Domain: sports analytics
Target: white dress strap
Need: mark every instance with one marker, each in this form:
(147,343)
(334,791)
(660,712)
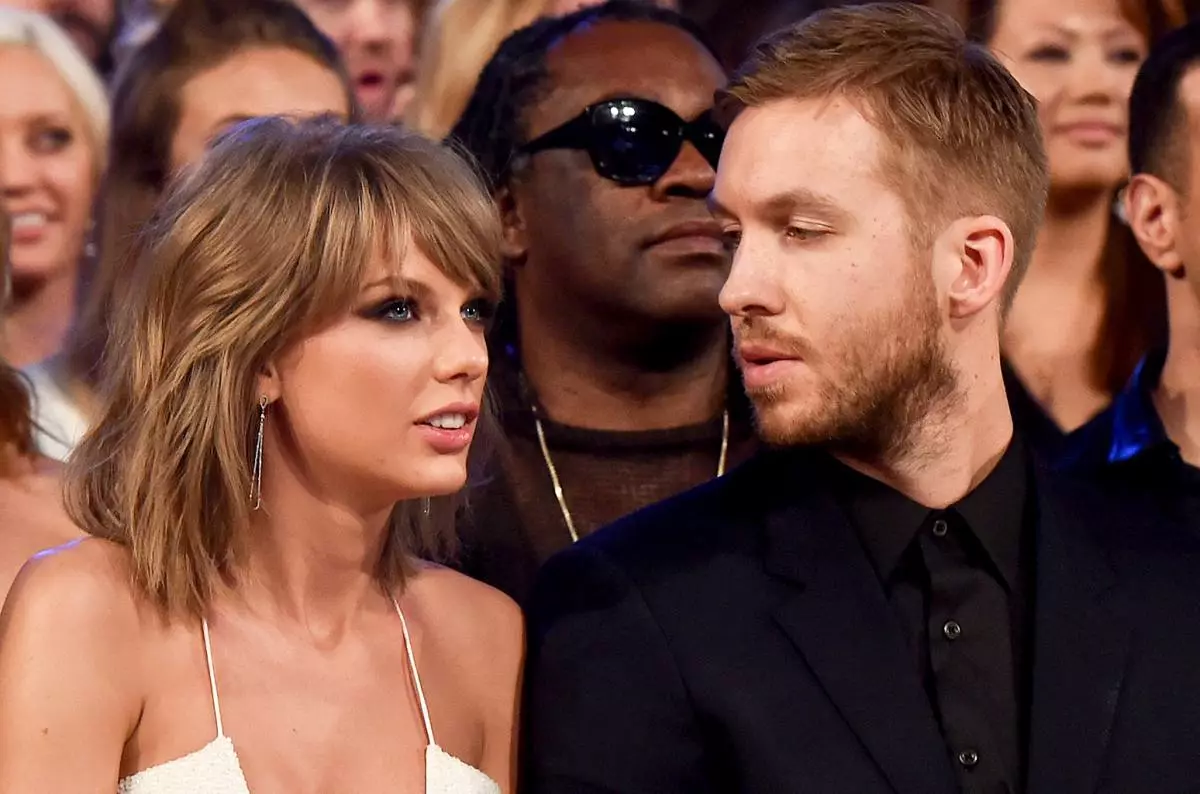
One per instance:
(416,677)
(212,677)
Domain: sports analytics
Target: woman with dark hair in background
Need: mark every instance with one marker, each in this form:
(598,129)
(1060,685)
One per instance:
(210,64)
(31,514)
(1090,306)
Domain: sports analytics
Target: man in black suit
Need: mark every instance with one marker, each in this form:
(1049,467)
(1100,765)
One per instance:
(897,597)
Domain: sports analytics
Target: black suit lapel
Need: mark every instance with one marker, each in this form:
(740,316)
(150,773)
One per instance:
(1081,641)
(839,619)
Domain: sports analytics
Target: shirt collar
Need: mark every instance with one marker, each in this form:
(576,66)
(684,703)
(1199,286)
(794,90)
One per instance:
(887,521)
(1137,428)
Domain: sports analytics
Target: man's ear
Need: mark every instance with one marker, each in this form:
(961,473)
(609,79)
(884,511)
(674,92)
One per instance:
(514,245)
(978,254)
(1152,209)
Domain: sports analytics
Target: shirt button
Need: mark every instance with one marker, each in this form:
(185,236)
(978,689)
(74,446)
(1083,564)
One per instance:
(940,528)
(951,630)
(968,758)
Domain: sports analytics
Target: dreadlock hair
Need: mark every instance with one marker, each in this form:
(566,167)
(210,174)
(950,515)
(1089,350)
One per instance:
(492,127)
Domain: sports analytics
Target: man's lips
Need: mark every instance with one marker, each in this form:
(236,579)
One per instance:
(761,355)
(764,365)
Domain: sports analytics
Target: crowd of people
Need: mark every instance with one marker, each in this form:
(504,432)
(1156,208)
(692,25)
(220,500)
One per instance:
(549,396)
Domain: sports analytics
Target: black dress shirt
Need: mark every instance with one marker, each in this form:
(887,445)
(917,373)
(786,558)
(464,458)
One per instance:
(1128,447)
(960,583)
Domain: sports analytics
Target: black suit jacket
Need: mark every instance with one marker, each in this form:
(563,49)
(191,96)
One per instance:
(736,639)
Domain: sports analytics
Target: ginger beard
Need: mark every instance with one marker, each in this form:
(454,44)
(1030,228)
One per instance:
(867,388)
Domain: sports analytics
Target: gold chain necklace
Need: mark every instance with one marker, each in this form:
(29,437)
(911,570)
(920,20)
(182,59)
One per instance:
(558,489)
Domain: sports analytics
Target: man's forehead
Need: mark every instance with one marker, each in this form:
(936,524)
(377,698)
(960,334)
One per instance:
(785,142)
(646,59)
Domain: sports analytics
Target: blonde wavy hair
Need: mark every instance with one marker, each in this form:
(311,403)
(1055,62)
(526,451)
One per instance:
(264,243)
(460,37)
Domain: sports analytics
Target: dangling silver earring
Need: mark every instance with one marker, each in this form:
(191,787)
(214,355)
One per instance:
(425,506)
(89,245)
(256,469)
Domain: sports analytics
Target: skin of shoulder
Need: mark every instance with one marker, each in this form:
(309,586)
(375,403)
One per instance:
(482,621)
(32,519)
(70,649)
(485,631)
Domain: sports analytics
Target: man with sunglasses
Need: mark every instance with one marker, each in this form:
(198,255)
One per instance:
(896,598)
(611,358)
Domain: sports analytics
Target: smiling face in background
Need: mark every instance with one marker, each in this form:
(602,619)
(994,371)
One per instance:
(47,166)
(383,403)
(1079,59)
(376,39)
(254,82)
(835,315)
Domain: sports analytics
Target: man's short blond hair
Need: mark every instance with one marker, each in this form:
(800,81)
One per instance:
(963,137)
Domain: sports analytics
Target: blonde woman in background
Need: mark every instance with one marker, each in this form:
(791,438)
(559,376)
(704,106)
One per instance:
(53,145)
(31,514)
(460,38)
(297,377)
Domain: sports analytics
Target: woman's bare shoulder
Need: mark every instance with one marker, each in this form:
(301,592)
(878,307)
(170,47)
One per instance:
(32,519)
(82,584)
(72,666)
(475,617)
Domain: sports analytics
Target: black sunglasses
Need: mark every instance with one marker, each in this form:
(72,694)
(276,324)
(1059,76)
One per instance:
(632,141)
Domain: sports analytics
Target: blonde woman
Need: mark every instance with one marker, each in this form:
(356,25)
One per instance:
(295,380)
(460,37)
(53,140)
(31,513)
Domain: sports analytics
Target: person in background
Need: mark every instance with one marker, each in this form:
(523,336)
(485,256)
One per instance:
(53,146)
(1150,436)
(1092,305)
(377,40)
(564,7)
(91,24)
(459,38)
(31,514)
(211,64)
(139,20)
(611,357)
(301,372)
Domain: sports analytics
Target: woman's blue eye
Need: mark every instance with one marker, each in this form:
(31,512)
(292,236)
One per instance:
(479,311)
(398,311)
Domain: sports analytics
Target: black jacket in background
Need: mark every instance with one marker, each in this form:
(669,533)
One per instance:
(737,640)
